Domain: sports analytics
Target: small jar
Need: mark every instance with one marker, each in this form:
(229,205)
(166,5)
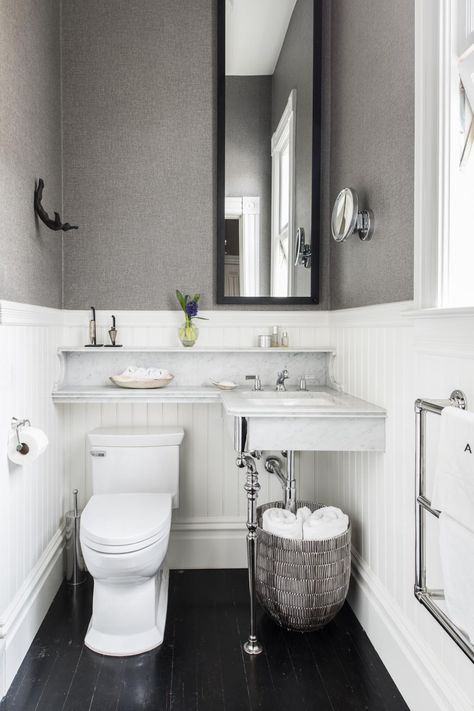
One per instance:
(264,341)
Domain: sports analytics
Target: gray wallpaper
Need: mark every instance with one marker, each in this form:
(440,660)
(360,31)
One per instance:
(248,163)
(372,146)
(138,93)
(139,96)
(139,150)
(30,147)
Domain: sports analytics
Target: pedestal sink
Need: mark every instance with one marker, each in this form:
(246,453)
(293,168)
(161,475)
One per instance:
(323,419)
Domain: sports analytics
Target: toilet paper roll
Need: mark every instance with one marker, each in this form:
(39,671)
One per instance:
(34,438)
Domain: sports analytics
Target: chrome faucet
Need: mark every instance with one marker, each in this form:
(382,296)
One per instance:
(280,382)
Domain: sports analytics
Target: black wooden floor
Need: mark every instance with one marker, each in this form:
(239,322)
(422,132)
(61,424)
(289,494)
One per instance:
(201,666)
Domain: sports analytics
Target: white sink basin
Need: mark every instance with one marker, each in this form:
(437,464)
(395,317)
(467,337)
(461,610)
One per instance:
(286,399)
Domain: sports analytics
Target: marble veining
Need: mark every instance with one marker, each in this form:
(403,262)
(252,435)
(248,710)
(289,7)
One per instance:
(338,404)
(91,368)
(321,433)
(323,419)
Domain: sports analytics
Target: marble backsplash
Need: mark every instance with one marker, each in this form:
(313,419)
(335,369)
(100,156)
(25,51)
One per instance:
(93,368)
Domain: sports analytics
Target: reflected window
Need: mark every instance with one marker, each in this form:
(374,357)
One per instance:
(283,219)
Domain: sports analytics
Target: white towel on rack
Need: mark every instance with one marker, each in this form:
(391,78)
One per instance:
(326,522)
(457,563)
(453,490)
(282,523)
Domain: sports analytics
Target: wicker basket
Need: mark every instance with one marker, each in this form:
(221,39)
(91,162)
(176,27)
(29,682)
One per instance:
(302,584)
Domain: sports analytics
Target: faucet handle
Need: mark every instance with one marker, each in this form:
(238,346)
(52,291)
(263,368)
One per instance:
(304,381)
(257,385)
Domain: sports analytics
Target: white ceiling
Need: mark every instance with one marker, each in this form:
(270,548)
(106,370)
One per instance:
(255,30)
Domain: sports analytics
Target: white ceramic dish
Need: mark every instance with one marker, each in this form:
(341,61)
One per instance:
(125,381)
(224,384)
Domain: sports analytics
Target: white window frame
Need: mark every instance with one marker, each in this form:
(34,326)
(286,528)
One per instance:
(435,78)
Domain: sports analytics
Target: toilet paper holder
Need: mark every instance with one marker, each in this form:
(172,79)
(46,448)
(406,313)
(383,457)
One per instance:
(17,424)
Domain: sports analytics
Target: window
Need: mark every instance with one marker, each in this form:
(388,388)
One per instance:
(456,257)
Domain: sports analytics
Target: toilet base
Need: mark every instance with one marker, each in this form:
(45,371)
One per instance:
(128,618)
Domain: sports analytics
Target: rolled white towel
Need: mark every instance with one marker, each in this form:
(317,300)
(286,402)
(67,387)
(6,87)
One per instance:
(157,373)
(141,374)
(282,523)
(145,373)
(303,513)
(326,522)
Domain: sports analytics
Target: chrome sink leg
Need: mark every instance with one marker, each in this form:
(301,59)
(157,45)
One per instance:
(290,486)
(252,487)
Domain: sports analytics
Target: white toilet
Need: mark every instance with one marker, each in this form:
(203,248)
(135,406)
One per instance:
(125,530)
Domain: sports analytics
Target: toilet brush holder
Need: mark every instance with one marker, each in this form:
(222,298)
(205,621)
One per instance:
(75,567)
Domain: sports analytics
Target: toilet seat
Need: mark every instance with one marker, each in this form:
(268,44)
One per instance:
(125,523)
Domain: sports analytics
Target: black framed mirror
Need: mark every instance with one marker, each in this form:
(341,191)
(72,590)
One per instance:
(268,151)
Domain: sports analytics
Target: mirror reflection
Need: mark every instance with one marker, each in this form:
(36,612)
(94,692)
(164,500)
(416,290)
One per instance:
(268,174)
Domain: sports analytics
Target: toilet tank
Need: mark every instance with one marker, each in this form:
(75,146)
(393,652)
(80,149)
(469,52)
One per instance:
(137,460)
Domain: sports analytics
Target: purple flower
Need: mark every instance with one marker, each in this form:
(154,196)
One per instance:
(191,309)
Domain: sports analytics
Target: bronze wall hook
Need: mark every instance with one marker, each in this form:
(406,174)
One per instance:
(55,224)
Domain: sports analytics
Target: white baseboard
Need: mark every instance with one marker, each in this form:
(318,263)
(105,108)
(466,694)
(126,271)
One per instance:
(202,543)
(23,617)
(418,674)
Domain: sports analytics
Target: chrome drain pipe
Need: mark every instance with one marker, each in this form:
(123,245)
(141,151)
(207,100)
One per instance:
(274,465)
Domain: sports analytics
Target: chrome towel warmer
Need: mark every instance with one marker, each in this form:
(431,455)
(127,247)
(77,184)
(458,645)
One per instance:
(423,594)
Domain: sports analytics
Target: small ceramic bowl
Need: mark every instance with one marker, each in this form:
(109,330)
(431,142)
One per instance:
(224,384)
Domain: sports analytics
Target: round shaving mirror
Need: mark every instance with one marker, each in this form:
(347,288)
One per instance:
(346,218)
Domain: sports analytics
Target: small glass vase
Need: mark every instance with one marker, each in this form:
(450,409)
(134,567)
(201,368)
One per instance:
(188,334)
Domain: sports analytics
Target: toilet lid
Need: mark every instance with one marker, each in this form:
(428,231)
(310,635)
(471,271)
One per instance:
(125,519)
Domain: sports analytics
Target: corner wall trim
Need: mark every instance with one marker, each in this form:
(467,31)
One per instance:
(23,617)
(422,681)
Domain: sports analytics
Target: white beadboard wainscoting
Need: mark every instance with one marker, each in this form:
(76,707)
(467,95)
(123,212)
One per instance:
(385,354)
(390,357)
(208,528)
(238,329)
(31,497)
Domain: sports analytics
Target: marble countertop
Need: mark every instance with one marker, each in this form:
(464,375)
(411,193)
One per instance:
(330,403)
(111,393)
(240,402)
